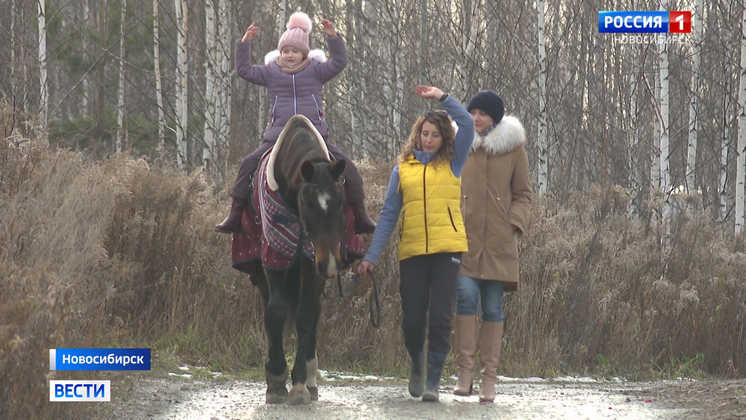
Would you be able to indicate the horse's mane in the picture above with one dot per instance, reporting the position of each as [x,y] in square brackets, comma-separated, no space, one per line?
[299,142]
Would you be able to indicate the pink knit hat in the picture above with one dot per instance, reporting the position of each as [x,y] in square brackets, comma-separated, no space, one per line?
[296,35]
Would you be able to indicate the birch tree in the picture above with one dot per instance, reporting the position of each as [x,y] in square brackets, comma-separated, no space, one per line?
[208,149]
[86,87]
[182,72]
[224,88]
[158,81]
[13,42]
[543,143]
[655,164]
[665,157]
[724,147]
[217,87]
[282,18]
[724,152]
[423,39]
[121,134]
[471,24]
[43,77]
[101,72]
[741,159]
[691,161]
[634,133]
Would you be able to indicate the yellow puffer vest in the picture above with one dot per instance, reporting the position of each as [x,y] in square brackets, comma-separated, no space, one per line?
[431,220]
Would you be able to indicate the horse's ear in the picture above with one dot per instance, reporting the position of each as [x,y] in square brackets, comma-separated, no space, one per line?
[336,169]
[307,170]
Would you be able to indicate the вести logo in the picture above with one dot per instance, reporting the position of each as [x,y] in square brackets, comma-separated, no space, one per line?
[79,391]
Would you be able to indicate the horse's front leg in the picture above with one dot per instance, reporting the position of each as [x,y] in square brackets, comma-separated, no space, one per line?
[305,325]
[312,361]
[275,314]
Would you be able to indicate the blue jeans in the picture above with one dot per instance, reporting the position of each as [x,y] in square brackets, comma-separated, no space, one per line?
[491,291]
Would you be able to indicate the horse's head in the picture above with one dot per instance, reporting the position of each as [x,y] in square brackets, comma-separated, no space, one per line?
[320,204]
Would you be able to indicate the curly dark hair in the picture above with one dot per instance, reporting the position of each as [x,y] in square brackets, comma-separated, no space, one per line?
[443,122]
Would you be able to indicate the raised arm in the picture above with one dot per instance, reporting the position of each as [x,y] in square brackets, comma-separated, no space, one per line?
[461,116]
[338,51]
[255,74]
[465,135]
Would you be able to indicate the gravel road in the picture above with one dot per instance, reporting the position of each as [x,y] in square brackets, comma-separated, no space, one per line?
[220,399]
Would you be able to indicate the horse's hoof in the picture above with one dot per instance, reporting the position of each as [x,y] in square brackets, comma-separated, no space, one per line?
[277,394]
[299,394]
[314,391]
[276,399]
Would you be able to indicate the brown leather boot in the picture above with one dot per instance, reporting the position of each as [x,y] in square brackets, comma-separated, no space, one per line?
[363,223]
[232,223]
[466,349]
[490,346]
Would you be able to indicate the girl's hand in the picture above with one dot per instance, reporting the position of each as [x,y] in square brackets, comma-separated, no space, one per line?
[250,33]
[329,29]
[430,92]
[365,267]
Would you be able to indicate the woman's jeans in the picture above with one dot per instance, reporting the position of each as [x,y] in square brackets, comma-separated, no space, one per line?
[491,291]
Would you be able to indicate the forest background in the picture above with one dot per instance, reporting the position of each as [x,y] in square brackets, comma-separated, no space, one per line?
[123,123]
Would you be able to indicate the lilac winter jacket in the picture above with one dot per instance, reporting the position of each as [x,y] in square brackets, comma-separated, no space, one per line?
[291,94]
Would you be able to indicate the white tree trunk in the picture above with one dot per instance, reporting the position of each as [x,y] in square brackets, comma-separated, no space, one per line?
[691,160]
[43,76]
[208,149]
[158,80]
[724,151]
[13,48]
[226,49]
[542,121]
[86,42]
[423,40]
[634,142]
[120,94]
[655,173]
[182,72]
[282,17]
[665,162]
[471,23]
[741,159]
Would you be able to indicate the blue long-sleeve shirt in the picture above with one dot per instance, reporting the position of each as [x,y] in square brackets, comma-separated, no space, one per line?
[394,200]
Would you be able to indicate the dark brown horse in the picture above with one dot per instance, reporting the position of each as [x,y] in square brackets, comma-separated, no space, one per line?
[311,186]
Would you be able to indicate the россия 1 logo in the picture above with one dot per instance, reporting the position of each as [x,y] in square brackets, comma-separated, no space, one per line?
[645,22]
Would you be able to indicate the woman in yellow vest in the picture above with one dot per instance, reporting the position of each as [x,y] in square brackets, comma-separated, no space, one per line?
[424,198]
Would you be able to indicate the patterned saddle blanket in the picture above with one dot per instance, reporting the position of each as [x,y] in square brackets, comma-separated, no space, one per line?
[272,232]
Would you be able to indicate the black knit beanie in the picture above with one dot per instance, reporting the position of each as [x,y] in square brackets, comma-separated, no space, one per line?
[489,102]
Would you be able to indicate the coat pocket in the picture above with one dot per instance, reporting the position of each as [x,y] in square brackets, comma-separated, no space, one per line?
[319,110]
[453,223]
[272,112]
[401,226]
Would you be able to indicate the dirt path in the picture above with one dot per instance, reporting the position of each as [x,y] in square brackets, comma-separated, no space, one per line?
[182,398]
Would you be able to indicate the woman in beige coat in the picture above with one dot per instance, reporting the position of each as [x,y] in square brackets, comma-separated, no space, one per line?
[496,192]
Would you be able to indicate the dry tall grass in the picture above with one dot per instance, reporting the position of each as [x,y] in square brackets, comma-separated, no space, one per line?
[123,253]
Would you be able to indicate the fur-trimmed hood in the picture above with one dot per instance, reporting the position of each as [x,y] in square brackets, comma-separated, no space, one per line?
[317,55]
[504,138]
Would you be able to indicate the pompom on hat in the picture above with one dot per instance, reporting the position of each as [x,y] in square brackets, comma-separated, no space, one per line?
[489,102]
[297,33]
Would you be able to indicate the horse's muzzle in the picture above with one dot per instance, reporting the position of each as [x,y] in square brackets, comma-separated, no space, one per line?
[327,268]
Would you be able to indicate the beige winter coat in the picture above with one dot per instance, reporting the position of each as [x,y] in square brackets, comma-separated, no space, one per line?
[496,192]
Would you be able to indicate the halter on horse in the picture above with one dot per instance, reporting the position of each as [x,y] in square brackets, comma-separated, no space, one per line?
[301,175]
